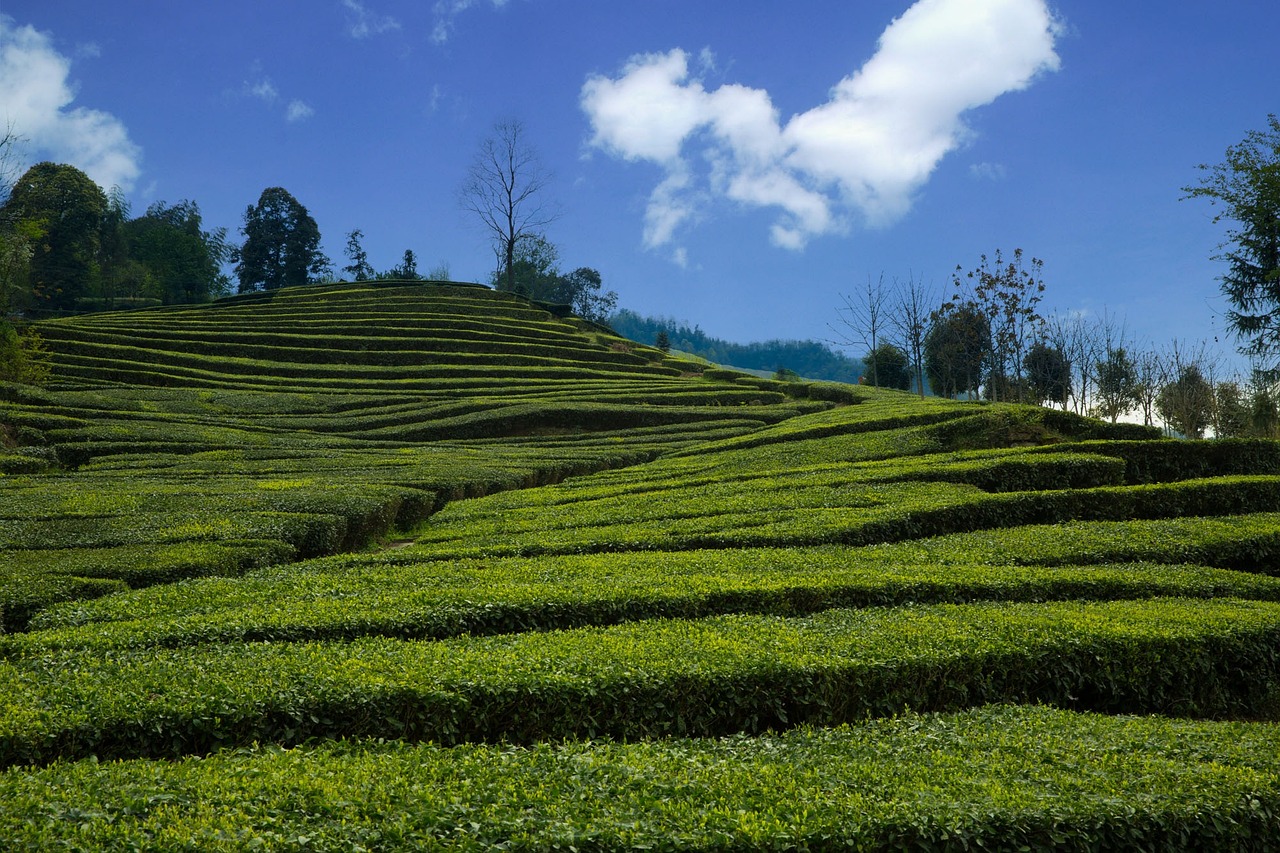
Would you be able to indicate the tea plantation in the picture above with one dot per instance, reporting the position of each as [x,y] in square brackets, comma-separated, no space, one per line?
[426,566]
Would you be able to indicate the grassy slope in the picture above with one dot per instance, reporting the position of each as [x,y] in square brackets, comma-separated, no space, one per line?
[606,544]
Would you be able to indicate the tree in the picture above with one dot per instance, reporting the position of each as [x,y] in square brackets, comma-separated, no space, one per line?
[1007,295]
[359,268]
[891,367]
[1048,373]
[1264,409]
[662,340]
[584,290]
[1230,411]
[60,210]
[534,269]
[911,319]
[23,357]
[861,321]
[1118,385]
[184,260]
[1186,404]
[956,349]
[1246,189]
[504,189]
[536,274]
[408,268]
[1153,370]
[282,244]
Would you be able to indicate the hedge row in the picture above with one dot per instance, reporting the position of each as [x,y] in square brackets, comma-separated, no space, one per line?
[404,364]
[766,513]
[1249,543]
[292,349]
[397,595]
[994,778]
[1167,461]
[709,677]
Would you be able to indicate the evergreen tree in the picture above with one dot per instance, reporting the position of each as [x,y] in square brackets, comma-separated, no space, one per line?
[282,244]
[359,268]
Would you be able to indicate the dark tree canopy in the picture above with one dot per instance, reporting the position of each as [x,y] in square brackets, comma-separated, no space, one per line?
[1048,373]
[1118,386]
[282,244]
[184,260]
[890,366]
[956,350]
[810,359]
[1245,187]
[359,269]
[536,274]
[1186,404]
[61,211]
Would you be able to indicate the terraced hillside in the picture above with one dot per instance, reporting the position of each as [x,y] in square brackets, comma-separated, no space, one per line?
[629,605]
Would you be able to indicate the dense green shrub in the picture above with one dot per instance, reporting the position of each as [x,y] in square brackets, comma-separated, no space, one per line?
[999,777]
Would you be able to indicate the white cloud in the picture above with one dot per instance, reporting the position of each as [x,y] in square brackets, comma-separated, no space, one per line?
[263,90]
[298,111]
[868,149]
[447,10]
[364,23]
[36,96]
[988,171]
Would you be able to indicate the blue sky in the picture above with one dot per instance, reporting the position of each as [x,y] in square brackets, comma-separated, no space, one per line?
[738,166]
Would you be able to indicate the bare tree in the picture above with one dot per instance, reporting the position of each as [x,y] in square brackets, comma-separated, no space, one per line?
[10,160]
[861,320]
[911,320]
[1153,372]
[1077,338]
[504,188]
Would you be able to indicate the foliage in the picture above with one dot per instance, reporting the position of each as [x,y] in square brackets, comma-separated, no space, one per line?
[811,359]
[998,777]
[536,274]
[1006,296]
[23,356]
[1118,385]
[60,211]
[1245,187]
[184,259]
[359,269]
[956,350]
[1186,404]
[1048,374]
[891,365]
[282,244]
[611,551]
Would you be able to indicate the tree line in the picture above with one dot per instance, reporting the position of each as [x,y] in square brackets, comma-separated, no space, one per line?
[988,337]
[810,359]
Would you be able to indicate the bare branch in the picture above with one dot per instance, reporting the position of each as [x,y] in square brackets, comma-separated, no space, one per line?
[504,189]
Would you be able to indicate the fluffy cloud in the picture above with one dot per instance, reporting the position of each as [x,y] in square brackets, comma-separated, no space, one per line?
[364,23]
[36,96]
[868,149]
[447,10]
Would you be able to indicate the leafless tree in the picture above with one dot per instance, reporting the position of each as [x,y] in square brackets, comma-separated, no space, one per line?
[504,188]
[1076,337]
[911,318]
[861,320]
[10,160]
[1153,372]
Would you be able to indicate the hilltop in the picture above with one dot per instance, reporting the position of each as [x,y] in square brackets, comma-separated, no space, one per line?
[633,601]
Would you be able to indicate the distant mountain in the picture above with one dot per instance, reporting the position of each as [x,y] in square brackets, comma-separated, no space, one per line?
[810,359]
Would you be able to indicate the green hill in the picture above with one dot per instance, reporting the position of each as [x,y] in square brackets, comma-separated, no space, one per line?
[419,566]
